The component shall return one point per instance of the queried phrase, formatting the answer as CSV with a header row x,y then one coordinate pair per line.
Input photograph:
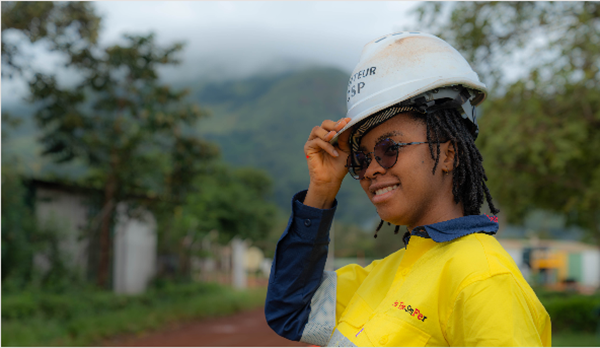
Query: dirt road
x,y
246,329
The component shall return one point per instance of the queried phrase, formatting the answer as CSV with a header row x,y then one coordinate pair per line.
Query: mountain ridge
x,y
261,121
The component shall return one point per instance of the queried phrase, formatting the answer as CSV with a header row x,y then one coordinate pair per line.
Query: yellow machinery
x,y
546,259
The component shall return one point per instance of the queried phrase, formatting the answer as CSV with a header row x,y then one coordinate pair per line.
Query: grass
x,y
87,318
88,325
575,339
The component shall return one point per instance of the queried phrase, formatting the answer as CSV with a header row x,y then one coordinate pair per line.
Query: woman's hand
x,y
326,163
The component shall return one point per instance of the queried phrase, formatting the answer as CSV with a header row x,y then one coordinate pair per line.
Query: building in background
x,y
71,214
559,264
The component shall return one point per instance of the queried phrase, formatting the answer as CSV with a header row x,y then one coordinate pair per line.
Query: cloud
x,y
241,37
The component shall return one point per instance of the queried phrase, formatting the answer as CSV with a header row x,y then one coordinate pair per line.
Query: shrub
x,y
575,313
69,305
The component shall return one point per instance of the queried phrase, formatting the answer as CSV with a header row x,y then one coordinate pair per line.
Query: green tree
x,y
132,131
541,133
67,26
233,202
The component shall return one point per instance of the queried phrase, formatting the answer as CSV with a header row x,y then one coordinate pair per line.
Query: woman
x,y
409,140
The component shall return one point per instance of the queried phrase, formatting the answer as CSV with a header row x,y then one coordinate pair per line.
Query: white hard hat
x,y
411,67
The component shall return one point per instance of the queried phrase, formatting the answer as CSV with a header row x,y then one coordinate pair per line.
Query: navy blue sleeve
x,y
297,268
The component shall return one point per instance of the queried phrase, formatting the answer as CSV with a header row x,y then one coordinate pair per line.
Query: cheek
x,y
425,163
416,167
416,175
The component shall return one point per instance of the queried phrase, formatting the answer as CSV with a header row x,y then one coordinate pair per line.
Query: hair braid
x,y
458,173
467,171
429,127
468,177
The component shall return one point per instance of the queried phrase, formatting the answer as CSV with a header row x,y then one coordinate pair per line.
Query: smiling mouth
x,y
386,189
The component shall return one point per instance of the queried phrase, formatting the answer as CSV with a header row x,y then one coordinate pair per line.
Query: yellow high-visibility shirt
x,y
466,292
453,285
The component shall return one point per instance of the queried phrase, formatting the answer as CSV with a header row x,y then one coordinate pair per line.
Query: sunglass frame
x,y
355,174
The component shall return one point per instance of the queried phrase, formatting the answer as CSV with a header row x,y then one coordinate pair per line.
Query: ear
x,y
447,156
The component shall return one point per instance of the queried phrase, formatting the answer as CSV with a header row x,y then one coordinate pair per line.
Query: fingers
x,y
320,133
318,145
335,126
328,129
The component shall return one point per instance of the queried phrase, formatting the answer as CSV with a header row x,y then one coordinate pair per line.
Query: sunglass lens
x,y
386,153
359,166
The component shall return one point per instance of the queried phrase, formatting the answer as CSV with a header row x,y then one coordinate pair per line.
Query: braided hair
x,y
468,174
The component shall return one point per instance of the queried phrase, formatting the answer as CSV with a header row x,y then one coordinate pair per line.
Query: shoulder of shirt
x,y
482,258
477,257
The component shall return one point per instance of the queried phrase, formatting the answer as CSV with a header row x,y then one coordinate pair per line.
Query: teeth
x,y
385,189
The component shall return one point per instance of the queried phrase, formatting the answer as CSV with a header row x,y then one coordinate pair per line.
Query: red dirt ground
x,y
246,329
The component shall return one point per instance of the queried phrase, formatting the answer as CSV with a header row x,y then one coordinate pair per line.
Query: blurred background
x,y
150,151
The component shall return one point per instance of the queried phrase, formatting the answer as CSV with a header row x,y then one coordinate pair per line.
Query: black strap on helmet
x,y
455,97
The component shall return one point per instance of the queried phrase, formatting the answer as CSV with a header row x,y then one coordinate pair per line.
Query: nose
x,y
374,168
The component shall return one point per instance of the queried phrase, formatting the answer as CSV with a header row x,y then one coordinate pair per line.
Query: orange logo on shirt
x,y
415,312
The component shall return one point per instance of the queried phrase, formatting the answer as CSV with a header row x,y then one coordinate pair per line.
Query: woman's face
x,y
418,197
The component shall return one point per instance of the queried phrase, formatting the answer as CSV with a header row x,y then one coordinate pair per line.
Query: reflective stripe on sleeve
x,y
321,321
339,340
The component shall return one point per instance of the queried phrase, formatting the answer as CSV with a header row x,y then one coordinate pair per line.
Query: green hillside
x,y
264,121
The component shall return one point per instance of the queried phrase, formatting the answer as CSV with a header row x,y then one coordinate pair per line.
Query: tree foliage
x,y
131,130
220,204
540,132
232,202
121,120
66,26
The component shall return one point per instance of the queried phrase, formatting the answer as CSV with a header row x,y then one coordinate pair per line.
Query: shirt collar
x,y
446,231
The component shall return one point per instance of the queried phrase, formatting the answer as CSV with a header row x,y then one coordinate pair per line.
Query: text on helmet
x,y
355,89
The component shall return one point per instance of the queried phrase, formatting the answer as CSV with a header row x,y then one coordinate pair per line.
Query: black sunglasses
x,y
386,154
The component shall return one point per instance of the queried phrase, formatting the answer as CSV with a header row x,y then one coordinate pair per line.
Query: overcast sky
x,y
243,36
238,38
